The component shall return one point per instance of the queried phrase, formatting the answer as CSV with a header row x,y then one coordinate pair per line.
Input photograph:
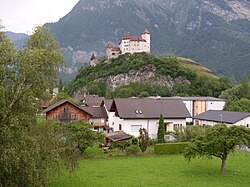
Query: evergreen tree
x,y
161,130
60,86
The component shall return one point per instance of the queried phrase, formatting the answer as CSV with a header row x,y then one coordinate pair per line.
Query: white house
x,y
198,105
131,114
213,117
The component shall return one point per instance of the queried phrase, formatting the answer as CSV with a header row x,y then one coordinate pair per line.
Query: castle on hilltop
x,y
129,44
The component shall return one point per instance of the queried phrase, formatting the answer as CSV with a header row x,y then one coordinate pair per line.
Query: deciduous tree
x,y
218,141
29,152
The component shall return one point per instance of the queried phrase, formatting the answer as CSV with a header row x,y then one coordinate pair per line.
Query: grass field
x,y
157,171
194,66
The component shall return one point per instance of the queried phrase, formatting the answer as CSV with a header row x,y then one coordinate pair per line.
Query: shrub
x,y
133,150
170,148
143,140
134,141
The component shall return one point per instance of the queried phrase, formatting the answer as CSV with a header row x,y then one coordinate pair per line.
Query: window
x,y
120,127
135,128
248,126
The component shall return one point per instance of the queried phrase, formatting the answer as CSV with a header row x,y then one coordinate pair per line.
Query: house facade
x,y
213,117
130,44
132,114
198,105
65,112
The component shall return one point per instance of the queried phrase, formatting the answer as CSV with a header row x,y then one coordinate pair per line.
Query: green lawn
x,y
157,171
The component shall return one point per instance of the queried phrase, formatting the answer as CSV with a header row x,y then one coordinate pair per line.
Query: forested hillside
x,y
144,74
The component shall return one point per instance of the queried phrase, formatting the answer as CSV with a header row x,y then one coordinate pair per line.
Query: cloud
x,y
24,15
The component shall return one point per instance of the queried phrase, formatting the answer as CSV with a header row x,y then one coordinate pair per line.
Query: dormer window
x,y
138,112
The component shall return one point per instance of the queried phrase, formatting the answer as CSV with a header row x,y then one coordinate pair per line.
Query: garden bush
x,y
170,148
132,150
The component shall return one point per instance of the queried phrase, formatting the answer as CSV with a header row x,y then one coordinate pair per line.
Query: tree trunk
x,y
223,166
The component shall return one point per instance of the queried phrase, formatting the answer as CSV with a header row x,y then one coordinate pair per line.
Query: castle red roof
x,y
116,49
132,38
110,45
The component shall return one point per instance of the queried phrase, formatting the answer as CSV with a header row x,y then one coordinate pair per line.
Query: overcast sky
x,y
22,16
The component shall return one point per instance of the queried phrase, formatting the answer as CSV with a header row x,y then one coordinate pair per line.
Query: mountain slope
x,y
19,39
137,74
214,33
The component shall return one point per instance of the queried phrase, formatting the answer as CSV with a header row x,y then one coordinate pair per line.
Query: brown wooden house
x,y
66,112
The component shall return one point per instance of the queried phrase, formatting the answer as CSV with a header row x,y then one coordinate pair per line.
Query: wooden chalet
x,y
66,111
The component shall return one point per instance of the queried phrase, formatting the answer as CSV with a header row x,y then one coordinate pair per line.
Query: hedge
x,y
170,148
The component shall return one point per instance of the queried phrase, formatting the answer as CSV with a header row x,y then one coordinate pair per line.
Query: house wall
x,y
199,107
128,46
215,105
132,126
67,113
245,122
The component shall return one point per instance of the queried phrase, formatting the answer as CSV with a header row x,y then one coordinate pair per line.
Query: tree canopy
x,y
218,141
29,151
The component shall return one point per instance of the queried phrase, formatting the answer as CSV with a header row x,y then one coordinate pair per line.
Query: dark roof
x,y
92,57
108,103
110,45
118,136
59,104
95,112
146,31
93,100
222,116
134,108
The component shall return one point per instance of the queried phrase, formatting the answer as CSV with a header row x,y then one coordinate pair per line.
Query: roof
x,y
110,45
59,104
108,103
96,124
222,116
95,112
118,136
92,57
116,49
134,108
93,100
146,31
132,38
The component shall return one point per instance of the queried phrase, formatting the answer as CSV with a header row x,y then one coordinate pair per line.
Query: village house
x,y
212,117
66,111
131,114
198,105
130,44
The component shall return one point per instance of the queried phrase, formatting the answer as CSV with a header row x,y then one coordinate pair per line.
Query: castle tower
x,y
146,36
93,61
